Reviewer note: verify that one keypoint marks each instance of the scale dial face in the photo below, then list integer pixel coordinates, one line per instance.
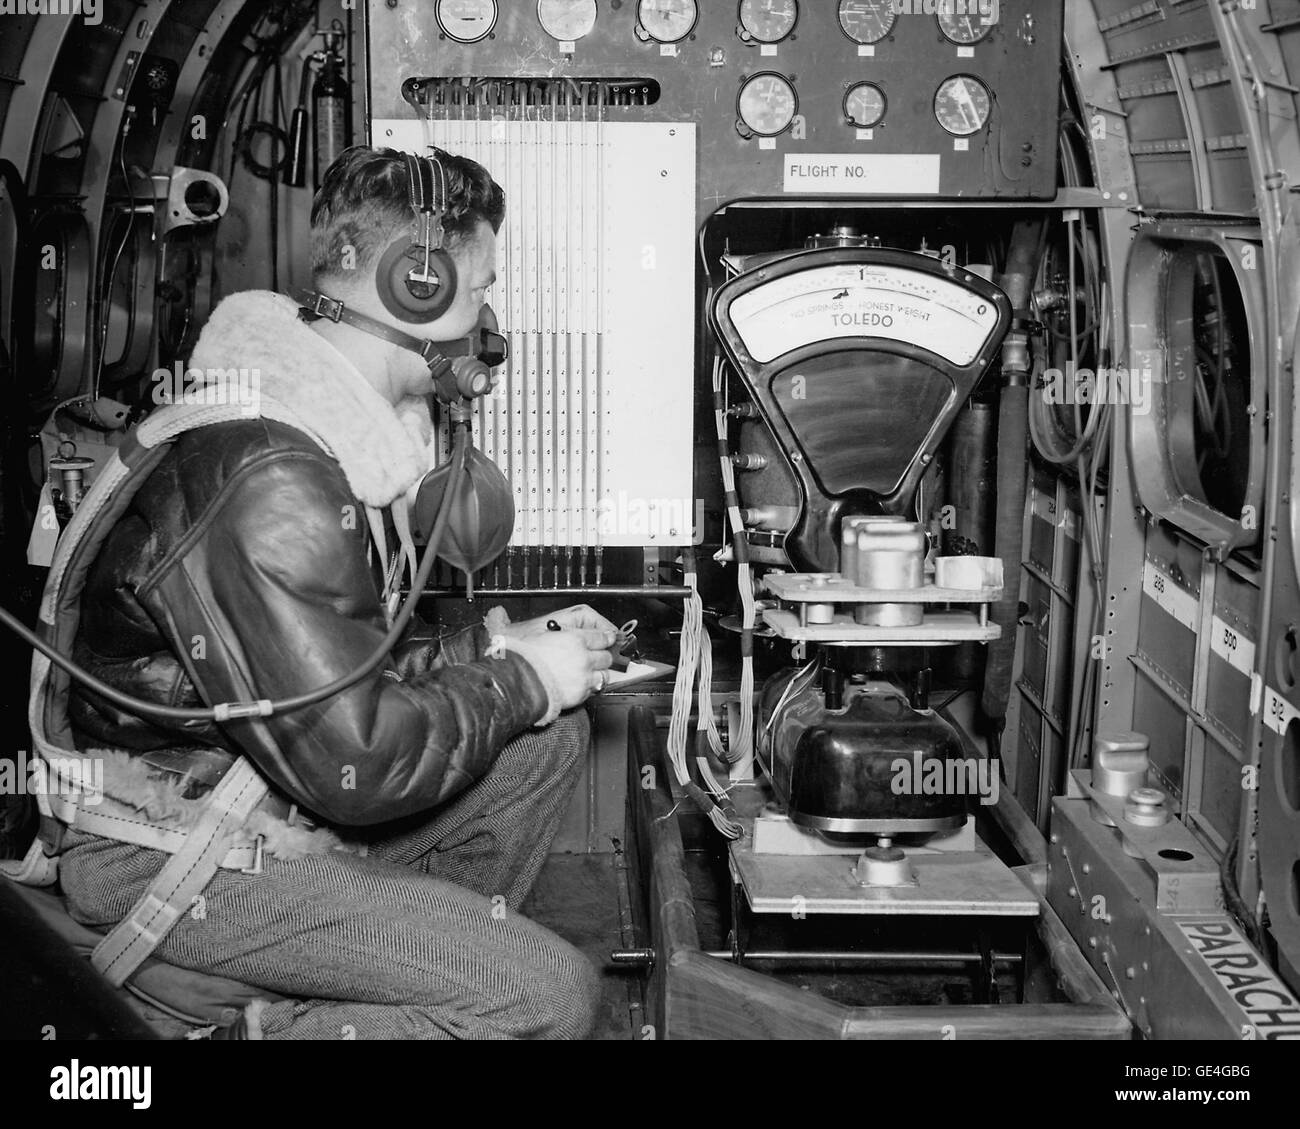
(668, 21)
(567, 20)
(466, 21)
(768, 21)
(963, 105)
(965, 30)
(865, 105)
(848, 300)
(767, 104)
(867, 21)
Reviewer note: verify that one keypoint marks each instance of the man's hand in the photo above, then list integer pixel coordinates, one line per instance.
(569, 650)
(596, 631)
(570, 664)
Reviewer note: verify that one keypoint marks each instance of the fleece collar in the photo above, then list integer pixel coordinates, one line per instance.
(302, 380)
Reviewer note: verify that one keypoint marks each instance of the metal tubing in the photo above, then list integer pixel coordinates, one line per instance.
(663, 592)
(814, 957)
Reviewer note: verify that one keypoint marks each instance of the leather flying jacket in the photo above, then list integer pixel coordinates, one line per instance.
(241, 572)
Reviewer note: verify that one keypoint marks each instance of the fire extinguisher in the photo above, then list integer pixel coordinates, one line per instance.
(331, 106)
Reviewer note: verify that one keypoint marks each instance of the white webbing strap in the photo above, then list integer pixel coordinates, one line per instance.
(184, 876)
(138, 830)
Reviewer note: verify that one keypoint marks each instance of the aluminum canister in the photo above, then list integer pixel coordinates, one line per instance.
(849, 548)
(890, 555)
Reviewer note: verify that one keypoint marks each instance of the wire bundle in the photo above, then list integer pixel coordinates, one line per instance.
(696, 651)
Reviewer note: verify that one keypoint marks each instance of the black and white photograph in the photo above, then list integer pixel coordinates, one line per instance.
(650, 521)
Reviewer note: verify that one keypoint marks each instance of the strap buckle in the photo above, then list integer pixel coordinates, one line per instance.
(258, 843)
(323, 306)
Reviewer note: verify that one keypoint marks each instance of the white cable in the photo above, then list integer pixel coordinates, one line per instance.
(684, 685)
(741, 744)
(692, 647)
(707, 723)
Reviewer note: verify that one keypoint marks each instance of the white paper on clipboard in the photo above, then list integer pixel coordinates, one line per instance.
(636, 672)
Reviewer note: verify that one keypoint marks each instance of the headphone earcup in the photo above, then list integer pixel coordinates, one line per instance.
(413, 301)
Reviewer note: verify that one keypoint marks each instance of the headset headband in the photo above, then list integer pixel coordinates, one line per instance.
(427, 200)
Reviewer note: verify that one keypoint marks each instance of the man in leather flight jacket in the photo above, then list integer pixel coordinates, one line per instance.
(409, 815)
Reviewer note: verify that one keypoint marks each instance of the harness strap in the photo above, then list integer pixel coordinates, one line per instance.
(184, 876)
(401, 511)
(137, 830)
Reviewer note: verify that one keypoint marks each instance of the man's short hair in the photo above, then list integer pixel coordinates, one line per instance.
(364, 203)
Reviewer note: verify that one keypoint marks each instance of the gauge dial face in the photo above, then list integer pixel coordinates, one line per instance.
(767, 104)
(466, 21)
(768, 21)
(567, 20)
(864, 105)
(667, 21)
(867, 21)
(965, 29)
(963, 105)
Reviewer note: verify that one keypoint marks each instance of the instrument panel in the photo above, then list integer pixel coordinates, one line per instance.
(791, 98)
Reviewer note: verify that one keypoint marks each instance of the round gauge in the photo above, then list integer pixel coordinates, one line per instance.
(864, 105)
(963, 105)
(466, 21)
(767, 104)
(868, 21)
(667, 21)
(567, 20)
(768, 21)
(964, 29)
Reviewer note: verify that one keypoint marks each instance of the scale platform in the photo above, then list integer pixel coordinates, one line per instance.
(939, 628)
(962, 878)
